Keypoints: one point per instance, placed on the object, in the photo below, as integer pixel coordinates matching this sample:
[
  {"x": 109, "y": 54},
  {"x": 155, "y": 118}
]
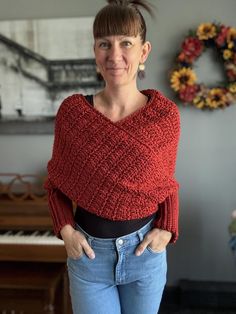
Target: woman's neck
[{"x": 121, "y": 99}]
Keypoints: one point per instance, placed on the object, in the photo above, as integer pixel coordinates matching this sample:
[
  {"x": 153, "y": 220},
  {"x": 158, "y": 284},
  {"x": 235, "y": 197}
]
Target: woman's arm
[
  {"x": 168, "y": 216},
  {"x": 60, "y": 208},
  {"x": 165, "y": 227}
]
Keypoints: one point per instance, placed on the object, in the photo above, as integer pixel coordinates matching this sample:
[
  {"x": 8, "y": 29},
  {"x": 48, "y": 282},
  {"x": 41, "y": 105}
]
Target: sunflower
[
  {"x": 216, "y": 98},
  {"x": 227, "y": 54},
  {"x": 232, "y": 88},
  {"x": 231, "y": 37},
  {"x": 206, "y": 31},
  {"x": 199, "y": 102},
  {"x": 182, "y": 78}
]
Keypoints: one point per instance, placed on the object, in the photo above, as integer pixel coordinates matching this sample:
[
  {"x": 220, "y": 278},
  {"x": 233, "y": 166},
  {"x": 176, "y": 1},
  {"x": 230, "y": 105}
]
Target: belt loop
[
  {"x": 89, "y": 239},
  {"x": 140, "y": 235},
  {"x": 143, "y": 230}
]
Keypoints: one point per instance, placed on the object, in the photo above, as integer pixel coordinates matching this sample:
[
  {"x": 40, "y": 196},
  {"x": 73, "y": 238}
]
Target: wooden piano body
[{"x": 29, "y": 248}]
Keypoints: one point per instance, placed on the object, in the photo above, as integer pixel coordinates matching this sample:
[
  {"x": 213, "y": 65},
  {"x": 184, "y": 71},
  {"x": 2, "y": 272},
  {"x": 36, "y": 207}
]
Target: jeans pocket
[
  {"x": 75, "y": 259},
  {"x": 155, "y": 252}
]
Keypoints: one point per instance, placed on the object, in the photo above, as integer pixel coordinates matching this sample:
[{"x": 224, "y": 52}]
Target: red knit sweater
[{"x": 116, "y": 170}]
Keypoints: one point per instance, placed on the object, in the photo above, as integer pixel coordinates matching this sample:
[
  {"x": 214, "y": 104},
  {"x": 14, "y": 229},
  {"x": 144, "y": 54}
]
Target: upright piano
[{"x": 26, "y": 235}]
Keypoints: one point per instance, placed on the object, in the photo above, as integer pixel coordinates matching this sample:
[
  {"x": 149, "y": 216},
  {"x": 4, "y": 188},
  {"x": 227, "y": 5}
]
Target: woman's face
[{"x": 118, "y": 57}]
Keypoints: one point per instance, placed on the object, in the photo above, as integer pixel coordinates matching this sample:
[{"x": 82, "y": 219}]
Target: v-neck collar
[{"x": 148, "y": 92}]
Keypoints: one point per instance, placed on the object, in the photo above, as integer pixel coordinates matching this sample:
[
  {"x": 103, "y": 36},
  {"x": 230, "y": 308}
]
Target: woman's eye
[
  {"x": 126, "y": 43},
  {"x": 103, "y": 45}
]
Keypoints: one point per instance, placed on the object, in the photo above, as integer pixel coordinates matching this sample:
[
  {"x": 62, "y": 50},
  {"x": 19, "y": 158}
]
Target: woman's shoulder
[
  {"x": 70, "y": 102},
  {"x": 168, "y": 114},
  {"x": 162, "y": 103},
  {"x": 72, "y": 99}
]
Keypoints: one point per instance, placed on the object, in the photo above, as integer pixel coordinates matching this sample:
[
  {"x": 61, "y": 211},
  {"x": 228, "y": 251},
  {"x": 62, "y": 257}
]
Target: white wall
[{"x": 206, "y": 165}]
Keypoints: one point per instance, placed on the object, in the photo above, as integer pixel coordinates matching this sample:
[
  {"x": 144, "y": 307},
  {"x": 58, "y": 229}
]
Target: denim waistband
[{"x": 126, "y": 240}]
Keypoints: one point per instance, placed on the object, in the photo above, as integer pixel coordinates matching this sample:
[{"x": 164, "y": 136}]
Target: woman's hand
[
  {"x": 75, "y": 243},
  {"x": 156, "y": 239}
]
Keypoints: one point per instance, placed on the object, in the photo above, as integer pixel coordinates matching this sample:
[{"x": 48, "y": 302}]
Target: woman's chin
[{"x": 117, "y": 80}]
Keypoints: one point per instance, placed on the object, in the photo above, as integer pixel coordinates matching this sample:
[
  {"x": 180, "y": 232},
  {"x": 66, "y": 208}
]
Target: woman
[{"x": 114, "y": 156}]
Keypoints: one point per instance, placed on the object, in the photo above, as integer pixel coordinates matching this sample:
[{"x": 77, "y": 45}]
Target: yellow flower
[
  {"x": 216, "y": 98},
  {"x": 231, "y": 37},
  {"x": 232, "y": 88},
  {"x": 181, "y": 78},
  {"x": 206, "y": 31},
  {"x": 199, "y": 102},
  {"x": 227, "y": 54}
]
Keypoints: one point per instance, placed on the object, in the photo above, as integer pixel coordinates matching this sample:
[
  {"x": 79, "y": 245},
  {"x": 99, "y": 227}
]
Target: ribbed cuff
[
  {"x": 61, "y": 209},
  {"x": 168, "y": 216}
]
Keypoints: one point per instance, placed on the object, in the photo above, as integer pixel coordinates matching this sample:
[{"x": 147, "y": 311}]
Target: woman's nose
[{"x": 115, "y": 53}]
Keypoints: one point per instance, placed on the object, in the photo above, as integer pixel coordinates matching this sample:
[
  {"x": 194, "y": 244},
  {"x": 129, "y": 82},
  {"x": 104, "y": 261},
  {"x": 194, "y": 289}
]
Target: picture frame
[{"x": 42, "y": 62}]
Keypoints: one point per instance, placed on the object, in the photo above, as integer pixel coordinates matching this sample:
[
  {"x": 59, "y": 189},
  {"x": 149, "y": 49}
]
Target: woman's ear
[{"x": 145, "y": 51}]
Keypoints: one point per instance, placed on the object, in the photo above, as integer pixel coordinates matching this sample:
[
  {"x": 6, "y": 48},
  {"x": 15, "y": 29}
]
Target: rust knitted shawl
[{"x": 116, "y": 170}]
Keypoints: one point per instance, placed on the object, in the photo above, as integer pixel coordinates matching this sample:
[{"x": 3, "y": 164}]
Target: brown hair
[{"x": 121, "y": 17}]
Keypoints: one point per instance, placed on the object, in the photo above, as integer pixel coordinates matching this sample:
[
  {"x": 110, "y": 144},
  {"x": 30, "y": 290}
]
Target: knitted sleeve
[
  {"x": 60, "y": 205},
  {"x": 60, "y": 208},
  {"x": 168, "y": 210},
  {"x": 167, "y": 218}
]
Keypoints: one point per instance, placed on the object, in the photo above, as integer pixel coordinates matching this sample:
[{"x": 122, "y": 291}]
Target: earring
[{"x": 141, "y": 71}]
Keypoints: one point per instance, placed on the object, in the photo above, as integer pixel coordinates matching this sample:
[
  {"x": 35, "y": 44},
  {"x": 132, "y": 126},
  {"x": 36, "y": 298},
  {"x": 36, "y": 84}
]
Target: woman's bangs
[{"x": 110, "y": 23}]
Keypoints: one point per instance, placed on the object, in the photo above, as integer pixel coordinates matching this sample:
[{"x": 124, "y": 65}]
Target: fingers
[
  {"x": 77, "y": 245},
  {"x": 87, "y": 248},
  {"x": 74, "y": 253},
  {"x": 142, "y": 246},
  {"x": 157, "y": 239}
]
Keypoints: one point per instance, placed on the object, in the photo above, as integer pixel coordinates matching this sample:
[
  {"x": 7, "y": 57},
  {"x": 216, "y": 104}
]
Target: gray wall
[{"x": 207, "y": 153}]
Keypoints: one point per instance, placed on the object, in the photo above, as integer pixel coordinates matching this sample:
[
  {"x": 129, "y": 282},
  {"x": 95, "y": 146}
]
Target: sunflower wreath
[{"x": 183, "y": 79}]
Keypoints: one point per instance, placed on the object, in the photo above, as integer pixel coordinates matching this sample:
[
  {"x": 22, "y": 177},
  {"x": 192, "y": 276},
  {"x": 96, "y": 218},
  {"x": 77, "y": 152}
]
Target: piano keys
[
  {"x": 34, "y": 246},
  {"x": 26, "y": 235},
  {"x": 25, "y": 225}
]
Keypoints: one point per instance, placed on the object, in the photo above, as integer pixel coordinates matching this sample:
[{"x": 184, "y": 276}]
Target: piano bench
[{"x": 28, "y": 288}]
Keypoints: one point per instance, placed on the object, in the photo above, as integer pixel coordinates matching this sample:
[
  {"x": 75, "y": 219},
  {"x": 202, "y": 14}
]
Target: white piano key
[{"x": 34, "y": 237}]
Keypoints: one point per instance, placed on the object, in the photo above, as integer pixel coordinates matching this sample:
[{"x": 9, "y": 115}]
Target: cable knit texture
[{"x": 117, "y": 170}]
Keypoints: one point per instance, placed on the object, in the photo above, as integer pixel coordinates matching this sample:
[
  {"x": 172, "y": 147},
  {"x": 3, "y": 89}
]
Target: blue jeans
[{"x": 117, "y": 281}]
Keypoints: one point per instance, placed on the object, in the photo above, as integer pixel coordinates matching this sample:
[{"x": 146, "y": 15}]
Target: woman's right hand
[{"x": 75, "y": 243}]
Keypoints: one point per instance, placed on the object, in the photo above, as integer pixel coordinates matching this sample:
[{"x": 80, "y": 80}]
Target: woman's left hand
[{"x": 156, "y": 239}]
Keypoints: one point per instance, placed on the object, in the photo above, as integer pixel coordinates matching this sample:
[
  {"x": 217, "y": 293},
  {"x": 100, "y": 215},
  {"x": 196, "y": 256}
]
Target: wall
[{"x": 207, "y": 152}]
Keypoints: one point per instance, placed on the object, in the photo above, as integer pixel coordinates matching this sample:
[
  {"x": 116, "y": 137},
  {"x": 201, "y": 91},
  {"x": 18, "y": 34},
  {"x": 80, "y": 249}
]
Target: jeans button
[{"x": 120, "y": 241}]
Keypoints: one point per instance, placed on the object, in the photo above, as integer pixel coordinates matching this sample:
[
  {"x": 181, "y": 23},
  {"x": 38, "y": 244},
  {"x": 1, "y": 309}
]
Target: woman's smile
[
  {"x": 118, "y": 57},
  {"x": 115, "y": 70}
]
